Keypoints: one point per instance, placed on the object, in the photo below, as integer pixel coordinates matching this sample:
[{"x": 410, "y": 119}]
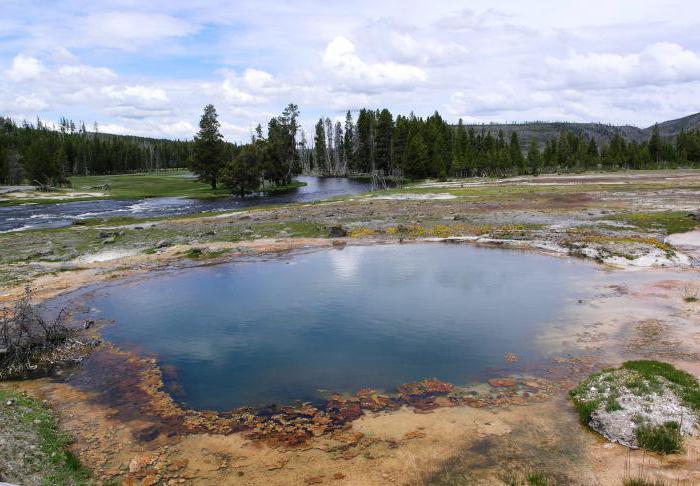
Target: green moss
[
  {"x": 668, "y": 221},
  {"x": 57, "y": 464}
]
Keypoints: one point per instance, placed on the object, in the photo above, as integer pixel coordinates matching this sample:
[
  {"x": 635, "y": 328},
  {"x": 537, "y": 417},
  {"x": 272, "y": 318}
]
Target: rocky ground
[{"x": 517, "y": 426}]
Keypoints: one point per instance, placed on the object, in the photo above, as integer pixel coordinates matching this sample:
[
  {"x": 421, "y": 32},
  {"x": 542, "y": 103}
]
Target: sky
[{"x": 148, "y": 67}]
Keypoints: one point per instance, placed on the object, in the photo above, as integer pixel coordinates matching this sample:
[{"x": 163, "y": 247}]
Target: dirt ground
[{"x": 130, "y": 432}]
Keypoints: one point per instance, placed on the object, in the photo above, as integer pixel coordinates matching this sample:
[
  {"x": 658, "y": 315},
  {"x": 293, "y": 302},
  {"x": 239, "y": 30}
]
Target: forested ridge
[
  {"x": 371, "y": 142},
  {"x": 49, "y": 155}
]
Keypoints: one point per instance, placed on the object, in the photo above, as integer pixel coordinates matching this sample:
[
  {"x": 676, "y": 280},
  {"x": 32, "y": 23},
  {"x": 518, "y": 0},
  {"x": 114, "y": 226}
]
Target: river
[{"x": 56, "y": 215}]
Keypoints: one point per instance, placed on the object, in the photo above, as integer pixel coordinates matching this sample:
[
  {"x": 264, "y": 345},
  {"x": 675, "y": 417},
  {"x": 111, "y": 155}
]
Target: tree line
[
  {"x": 375, "y": 142},
  {"x": 417, "y": 147},
  {"x": 49, "y": 155}
]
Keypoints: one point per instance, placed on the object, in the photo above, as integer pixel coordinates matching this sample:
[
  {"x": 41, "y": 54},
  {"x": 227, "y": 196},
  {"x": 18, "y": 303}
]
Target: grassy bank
[
  {"x": 35, "y": 450},
  {"x": 178, "y": 183}
]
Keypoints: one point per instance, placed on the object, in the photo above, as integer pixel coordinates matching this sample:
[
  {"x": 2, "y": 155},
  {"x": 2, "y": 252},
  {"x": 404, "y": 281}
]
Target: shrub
[{"x": 24, "y": 334}]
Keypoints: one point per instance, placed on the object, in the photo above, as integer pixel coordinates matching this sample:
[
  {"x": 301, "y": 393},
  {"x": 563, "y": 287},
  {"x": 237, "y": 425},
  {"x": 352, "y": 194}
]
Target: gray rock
[
  {"x": 109, "y": 240},
  {"x": 163, "y": 244}
]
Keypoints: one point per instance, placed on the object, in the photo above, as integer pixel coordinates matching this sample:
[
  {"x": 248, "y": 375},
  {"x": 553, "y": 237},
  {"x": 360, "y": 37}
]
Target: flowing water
[
  {"x": 29, "y": 216},
  {"x": 295, "y": 327}
]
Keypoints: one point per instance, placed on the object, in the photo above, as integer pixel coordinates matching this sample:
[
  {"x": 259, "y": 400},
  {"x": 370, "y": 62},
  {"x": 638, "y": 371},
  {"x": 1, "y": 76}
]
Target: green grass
[
  {"x": 643, "y": 481},
  {"x": 665, "y": 438},
  {"x": 584, "y": 409},
  {"x": 537, "y": 479},
  {"x": 177, "y": 183},
  {"x": 668, "y": 221},
  {"x": 158, "y": 184},
  {"x": 58, "y": 466},
  {"x": 650, "y": 369}
]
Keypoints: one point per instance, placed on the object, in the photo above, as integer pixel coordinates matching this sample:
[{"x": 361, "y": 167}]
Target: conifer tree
[{"x": 209, "y": 148}]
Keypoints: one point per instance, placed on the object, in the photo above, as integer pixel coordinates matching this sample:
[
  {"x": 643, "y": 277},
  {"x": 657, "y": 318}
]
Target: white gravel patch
[{"x": 416, "y": 197}]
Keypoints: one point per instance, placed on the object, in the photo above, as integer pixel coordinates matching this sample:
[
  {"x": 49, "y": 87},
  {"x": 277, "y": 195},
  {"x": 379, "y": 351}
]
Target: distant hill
[
  {"x": 671, "y": 128},
  {"x": 543, "y": 131}
]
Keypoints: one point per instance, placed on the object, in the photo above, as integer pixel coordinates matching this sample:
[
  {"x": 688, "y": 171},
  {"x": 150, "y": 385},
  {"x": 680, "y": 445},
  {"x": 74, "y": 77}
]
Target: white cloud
[
  {"x": 128, "y": 30},
  {"x": 30, "y": 103},
  {"x": 659, "y": 63},
  {"x": 149, "y": 68},
  {"x": 85, "y": 73},
  {"x": 139, "y": 94},
  {"x": 341, "y": 59},
  {"x": 24, "y": 68},
  {"x": 258, "y": 79}
]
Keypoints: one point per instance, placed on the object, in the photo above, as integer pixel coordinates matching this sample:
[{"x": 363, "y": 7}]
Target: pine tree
[
  {"x": 349, "y": 141},
  {"x": 516, "y": 155},
  {"x": 384, "y": 132},
  {"x": 655, "y": 144},
  {"x": 209, "y": 148},
  {"x": 243, "y": 174},
  {"x": 365, "y": 141},
  {"x": 320, "y": 148},
  {"x": 415, "y": 158},
  {"x": 534, "y": 159}
]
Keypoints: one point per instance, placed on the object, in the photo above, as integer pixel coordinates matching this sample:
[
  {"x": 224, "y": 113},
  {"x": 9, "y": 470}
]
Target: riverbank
[
  {"x": 637, "y": 311},
  {"x": 171, "y": 183}
]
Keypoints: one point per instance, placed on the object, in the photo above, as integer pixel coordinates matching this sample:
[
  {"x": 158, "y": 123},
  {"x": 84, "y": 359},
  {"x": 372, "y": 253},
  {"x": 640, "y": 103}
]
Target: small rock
[
  {"x": 88, "y": 323},
  {"x": 337, "y": 232},
  {"x": 163, "y": 244},
  {"x": 150, "y": 480},
  {"x": 104, "y": 234},
  {"x": 9, "y": 403},
  {"x": 109, "y": 240},
  {"x": 502, "y": 382}
]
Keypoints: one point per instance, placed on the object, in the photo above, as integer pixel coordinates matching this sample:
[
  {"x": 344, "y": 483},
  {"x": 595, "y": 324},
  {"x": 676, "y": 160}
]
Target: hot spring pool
[{"x": 296, "y": 327}]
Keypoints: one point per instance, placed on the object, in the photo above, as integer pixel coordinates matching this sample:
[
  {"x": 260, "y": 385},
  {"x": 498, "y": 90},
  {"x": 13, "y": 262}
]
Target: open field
[{"x": 643, "y": 226}]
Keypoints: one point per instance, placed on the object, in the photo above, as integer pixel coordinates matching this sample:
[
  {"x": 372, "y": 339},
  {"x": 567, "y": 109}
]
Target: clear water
[
  {"x": 262, "y": 332},
  {"x": 29, "y": 216}
]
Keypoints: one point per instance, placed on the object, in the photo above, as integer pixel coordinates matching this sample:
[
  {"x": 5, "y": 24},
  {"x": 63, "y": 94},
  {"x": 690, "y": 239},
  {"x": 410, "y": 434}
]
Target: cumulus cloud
[
  {"x": 150, "y": 68},
  {"x": 342, "y": 60},
  {"x": 659, "y": 63},
  {"x": 24, "y": 68}
]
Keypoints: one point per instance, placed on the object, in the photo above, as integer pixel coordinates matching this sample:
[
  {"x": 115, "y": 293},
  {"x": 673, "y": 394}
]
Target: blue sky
[{"x": 148, "y": 67}]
